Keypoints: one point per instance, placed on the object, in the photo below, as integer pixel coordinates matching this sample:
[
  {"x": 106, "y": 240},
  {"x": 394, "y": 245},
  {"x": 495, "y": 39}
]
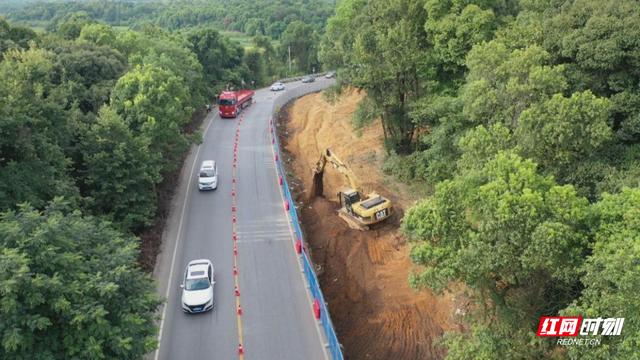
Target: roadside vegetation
[
  {"x": 522, "y": 118},
  {"x": 95, "y": 120}
]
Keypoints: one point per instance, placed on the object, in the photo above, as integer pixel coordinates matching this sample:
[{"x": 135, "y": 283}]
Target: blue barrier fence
[{"x": 312, "y": 280}]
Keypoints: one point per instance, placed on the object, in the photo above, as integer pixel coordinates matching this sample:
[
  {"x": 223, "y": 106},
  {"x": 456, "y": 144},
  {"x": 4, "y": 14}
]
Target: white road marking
[
  {"x": 178, "y": 237},
  {"x": 263, "y": 240}
]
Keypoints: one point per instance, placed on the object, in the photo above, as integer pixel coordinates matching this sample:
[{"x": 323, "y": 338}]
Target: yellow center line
[{"x": 235, "y": 256}]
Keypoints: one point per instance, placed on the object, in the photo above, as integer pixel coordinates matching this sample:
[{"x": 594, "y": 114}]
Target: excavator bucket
[{"x": 317, "y": 188}]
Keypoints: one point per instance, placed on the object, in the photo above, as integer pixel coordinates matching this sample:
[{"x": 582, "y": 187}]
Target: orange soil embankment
[{"x": 364, "y": 275}]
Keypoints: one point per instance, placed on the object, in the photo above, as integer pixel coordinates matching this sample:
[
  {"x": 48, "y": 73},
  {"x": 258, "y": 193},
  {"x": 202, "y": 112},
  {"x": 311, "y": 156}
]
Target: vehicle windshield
[
  {"x": 197, "y": 284},
  {"x": 227, "y": 102},
  {"x": 206, "y": 173}
]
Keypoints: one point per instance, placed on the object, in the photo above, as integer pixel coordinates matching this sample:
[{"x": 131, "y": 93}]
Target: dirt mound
[{"x": 364, "y": 275}]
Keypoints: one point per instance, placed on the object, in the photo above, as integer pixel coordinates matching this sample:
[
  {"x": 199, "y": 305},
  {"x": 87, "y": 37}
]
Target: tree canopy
[
  {"x": 520, "y": 120},
  {"x": 71, "y": 289}
]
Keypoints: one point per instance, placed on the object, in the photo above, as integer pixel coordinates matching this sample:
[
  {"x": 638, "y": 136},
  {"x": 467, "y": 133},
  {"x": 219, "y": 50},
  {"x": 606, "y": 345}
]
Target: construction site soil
[{"x": 364, "y": 275}]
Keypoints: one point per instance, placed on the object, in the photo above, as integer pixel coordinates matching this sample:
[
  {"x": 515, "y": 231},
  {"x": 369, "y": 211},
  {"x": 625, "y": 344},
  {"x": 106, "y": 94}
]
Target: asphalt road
[{"x": 277, "y": 322}]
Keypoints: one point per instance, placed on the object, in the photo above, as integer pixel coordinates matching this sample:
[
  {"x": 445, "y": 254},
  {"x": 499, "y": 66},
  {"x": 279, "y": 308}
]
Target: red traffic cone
[
  {"x": 235, "y": 270},
  {"x": 240, "y": 349},
  {"x": 237, "y": 291},
  {"x": 239, "y": 310},
  {"x": 298, "y": 246}
]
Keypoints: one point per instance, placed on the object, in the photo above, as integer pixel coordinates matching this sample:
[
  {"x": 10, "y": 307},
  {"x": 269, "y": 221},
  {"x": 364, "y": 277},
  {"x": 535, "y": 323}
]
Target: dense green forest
[
  {"x": 267, "y": 28},
  {"x": 93, "y": 121},
  {"x": 522, "y": 120},
  {"x": 261, "y": 17}
]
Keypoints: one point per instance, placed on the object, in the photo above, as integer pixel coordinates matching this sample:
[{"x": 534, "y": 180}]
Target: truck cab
[
  {"x": 227, "y": 104},
  {"x": 230, "y": 103}
]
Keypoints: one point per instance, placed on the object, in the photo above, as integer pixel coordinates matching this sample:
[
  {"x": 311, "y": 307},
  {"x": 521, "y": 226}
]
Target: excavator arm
[{"x": 318, "y": 172}]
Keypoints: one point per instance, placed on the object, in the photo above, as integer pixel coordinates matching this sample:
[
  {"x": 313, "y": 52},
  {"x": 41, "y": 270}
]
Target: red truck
[{"x": 230, "y": 103}]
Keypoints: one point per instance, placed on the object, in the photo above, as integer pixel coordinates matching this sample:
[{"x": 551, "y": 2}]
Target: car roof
[
  {"x": 208, "y": 164},
  {"x": 197, "y": 268}
]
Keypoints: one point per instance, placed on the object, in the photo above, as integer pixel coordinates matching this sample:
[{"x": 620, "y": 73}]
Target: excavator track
[{"x": 349, "y": 219}]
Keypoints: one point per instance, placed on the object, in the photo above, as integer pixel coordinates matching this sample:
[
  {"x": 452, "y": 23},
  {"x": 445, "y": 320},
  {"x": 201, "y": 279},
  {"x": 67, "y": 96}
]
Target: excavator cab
[{"x": 348, "y": 197}]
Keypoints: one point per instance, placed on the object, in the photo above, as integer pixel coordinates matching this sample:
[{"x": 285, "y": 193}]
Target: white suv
[
  {"x": 197, "y": 286},
  {"x": 208, "y": 176}
]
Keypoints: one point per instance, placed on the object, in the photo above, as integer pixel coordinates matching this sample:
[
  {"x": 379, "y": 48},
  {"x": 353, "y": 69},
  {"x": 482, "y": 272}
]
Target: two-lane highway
[{"x": 277, "y": 321}]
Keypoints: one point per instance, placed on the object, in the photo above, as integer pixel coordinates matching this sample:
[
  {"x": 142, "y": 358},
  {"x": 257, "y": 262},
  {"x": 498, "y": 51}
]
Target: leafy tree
[
  {"x": 501, "y": 83},
  {"x": 14, "y": 37},
  {"x": 482, "y": 144},
  {"x": 443, "y": 124},
  {"x": 337, "y": 42},
  {"x": 610, "y": 279},
  {"x": 514, "y": 237},
  {"x": 71, "y": 288},
  {"x": 87, "y": 73},
  {"x": 152, "y": 102},
  {"x": 255, "y": 65},
  {"x": 502, "y": 230},
  {"x": 35, "y": 131},
  {"x": 71, "y": 26},
  {"x": 219, "y": 57},
  {"x": 120, "y": 176},
  {"x": 454, "y": 27},
  {"x": 171, "y": 52},
  {"x": 597, "y": 39},
  {"x": 99, "y": 34},
  {"x": 268, "y": 53},
  {"x": 561, "y": 130},
  {"x": 383, "y": 56},
  {"x": 301, "y": 39}
]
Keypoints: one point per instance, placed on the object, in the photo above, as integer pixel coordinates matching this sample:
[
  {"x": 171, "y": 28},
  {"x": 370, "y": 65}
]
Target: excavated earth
[{"x": 364, "y": 275}]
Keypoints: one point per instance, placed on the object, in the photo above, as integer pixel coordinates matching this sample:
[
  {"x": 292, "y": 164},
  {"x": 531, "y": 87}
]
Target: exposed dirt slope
[{"x": 363, "y": 274}]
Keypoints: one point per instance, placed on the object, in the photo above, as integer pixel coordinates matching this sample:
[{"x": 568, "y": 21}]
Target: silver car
[{"x": 277, "y": 86}]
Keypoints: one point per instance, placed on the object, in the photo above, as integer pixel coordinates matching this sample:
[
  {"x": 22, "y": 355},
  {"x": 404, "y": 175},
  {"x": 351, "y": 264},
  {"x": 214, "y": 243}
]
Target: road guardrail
[{"x": 321, "y": 312}]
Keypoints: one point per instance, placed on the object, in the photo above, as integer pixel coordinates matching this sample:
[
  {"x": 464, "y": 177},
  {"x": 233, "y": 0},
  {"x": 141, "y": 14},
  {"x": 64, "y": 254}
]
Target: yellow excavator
[{"x": 358, "y": 211}]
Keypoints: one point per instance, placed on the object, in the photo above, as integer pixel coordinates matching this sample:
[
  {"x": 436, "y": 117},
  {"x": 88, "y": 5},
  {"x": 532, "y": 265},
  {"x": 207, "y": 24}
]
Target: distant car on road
[
  {"x": 330, "y": 74},
  {"x": 208, "y": 176},
  {"x": 277, "y": 86},
  {"x": 197, "y": 286},
  {"x": 308, "y": 79}
]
